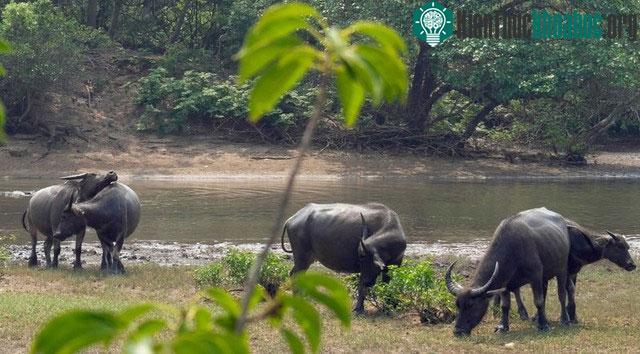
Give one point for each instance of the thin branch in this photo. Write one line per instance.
(286, 196)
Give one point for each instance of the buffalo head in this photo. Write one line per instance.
(89, 184)
(472, 303)
(371, 264)
(71, 222)
(617, 251)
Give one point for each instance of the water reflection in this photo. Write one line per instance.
(241, 212)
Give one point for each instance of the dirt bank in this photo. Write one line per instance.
(209, 158)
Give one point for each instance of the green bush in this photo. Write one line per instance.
(238, 264)
(46, 51)
(415, 286)
(173, 105)
(233, 269)
(209, 275)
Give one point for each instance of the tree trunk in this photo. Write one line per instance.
(92, 13)
(422, 86)
(147, 9)
(178, 28)
(115, 17)
(477, 119)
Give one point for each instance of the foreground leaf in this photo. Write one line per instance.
(75, 330)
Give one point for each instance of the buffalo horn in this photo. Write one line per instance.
(78, 176)
(452, 285)
(483, 289)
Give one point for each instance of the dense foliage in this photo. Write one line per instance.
(563, 96)
(233, 270)
(197, 99)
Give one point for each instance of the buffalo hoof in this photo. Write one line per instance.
(33, 262)
(524, 315)
(544, 327)
(575, 321)
(501, 328)
(358, 311)
(77, 266)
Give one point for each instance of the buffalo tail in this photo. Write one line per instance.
(24, 215)
(284, 229)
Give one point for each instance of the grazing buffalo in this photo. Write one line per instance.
(347, 238)
(530, 247)
(114, 213)
(587, 247)
(46, 206)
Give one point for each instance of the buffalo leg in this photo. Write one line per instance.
(562, 296)
(105, 265)
(118, 268)
(571, 303)
(56, 253)
(539, 288)
(362, 293)
(47, 250)
(77, 264)
(33, 259)
(505, 299)
(522, 310)
(495, 308)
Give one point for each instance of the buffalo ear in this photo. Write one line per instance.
(77, 211)
(362, 249)
(496, 292)
(78, 176)
(580, 241)
(378, 261)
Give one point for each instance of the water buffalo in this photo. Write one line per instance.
(114, 213)
(530, 247)
(587, 247)
(46, 206)
(347, 238)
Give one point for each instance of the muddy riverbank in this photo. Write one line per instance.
(183, 254)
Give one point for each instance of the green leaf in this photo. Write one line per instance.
(294, 342)
(385, 36)
(307, 317)
(73, 331)
(282, 11)
(278, 79)
(276, 30)
(389, 68)
(140, 340)
(132, 313)
(362, 71)
(208, 342)
(254, 60)
(259, 295)
(351, 95)
(4, 46)
(228, 303)
(328, 291)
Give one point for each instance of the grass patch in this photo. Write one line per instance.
(606, 297)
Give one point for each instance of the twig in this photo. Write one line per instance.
(279, 219)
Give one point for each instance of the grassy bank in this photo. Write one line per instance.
(606, 296)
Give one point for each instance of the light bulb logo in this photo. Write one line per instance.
(432, 23)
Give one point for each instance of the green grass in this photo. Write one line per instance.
(606, 296)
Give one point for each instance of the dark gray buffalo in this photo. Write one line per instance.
(46, 206)
(530, 247)
(114, 213)
(347, 238)
(586, 247)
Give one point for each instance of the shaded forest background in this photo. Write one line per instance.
(561, 97)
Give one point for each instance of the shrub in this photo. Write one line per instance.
(209, 275)
(234, 267)
(238, 264)
(45, 53)
(172, 105)
(414, 286)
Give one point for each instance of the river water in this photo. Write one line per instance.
(241, 212)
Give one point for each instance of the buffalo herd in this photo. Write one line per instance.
(530, 247)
